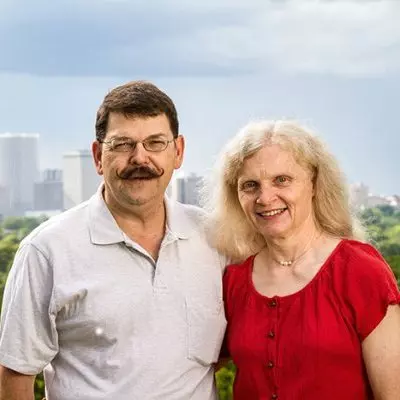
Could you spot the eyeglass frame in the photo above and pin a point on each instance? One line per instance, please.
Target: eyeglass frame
(134, 143)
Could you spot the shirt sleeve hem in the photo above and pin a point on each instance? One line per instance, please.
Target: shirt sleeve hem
(374, 324)
(19, 366)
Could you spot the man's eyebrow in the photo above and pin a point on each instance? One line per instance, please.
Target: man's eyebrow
(117, 136)
(156, 135)
(121, 136)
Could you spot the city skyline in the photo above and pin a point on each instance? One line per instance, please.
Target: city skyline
(25, 190)
(332, 65)
(177, 174)
(182, 171)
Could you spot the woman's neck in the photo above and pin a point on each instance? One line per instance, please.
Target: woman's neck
(287, 250)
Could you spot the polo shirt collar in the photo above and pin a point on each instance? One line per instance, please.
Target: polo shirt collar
(178, 222)
(103, 228)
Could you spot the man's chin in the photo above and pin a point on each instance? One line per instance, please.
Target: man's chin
(136, 200)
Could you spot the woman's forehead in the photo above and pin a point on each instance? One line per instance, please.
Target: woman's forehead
(272, 159)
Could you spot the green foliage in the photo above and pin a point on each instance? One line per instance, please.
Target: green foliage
(394, 262)
(3, 278)
(383, 225)
(39, 387)
(17, 223)
(8, 247)
(224, 380)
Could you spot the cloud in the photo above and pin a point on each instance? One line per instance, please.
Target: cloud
(181, 38)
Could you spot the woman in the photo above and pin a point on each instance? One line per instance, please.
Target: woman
(313, 311)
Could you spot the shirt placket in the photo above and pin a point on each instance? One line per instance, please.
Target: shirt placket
(159, 283)
(271, 337)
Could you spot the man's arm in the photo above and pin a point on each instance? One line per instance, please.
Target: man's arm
(28, 332)
(15, 386)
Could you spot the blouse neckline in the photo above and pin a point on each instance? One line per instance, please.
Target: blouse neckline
(312, 282)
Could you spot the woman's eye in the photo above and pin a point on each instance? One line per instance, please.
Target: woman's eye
(282, 179)
(248, 186)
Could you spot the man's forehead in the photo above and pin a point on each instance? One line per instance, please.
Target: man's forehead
(137, 127)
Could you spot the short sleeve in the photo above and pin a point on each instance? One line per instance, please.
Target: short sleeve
(371, 288)
(224, 353)
(28, 335)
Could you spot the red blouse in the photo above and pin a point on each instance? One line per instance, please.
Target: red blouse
(308, 345)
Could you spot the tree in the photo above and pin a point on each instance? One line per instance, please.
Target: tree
(224, 380)
(8, 247)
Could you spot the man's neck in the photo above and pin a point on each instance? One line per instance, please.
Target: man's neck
(144, 224)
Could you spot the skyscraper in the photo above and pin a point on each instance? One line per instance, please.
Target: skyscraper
(19, 170)
(80, 179)
(185, 189)
(49, 191)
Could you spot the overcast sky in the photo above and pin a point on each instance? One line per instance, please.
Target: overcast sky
(333, 64)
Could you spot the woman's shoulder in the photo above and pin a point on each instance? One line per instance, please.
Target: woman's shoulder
(237, 272)
(240, 267)
(359, 255)
(355, 248)
(364, 284)
(361, 263)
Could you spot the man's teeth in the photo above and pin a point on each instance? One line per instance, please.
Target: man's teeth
(273, 212)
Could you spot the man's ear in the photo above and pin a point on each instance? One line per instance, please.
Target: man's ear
(97, 152)
(179, 151)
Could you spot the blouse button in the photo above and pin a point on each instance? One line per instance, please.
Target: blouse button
(274, 396)
(270, 364)
(271, 334)
(272, 303)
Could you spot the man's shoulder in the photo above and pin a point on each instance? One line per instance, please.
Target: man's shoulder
(59, 226)
(194, 213)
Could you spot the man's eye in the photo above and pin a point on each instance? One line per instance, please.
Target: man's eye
(121, 146)
(155, 144)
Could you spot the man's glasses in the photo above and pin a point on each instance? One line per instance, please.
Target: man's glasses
(125, 145)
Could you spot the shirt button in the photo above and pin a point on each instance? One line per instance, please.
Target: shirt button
(274, 396)
(271, 334)
(270, 364)
(272, 303)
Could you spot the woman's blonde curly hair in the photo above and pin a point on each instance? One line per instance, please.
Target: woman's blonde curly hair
(230, 232)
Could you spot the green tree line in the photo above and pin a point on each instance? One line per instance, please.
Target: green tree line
(382, 223)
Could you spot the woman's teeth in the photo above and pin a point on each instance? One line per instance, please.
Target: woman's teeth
(273, 212)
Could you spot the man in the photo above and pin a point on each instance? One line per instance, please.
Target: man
(120, 297)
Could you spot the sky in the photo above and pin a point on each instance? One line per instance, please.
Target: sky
(333, 65)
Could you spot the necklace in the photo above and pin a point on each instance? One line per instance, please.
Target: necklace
(307, 248)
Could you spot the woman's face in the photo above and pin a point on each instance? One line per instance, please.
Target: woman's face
(276, 193)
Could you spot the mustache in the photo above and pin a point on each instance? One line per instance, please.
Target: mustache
(141, 172)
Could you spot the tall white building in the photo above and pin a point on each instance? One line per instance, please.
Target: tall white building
(80, 179)
(49, 191)
(359, 195)
(19, 169)
(185, 189)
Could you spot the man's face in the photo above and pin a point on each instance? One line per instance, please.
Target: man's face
(137, 177)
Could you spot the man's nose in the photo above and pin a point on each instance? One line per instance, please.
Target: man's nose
(139, 155)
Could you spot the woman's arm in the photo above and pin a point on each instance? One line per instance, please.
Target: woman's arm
(381, 352)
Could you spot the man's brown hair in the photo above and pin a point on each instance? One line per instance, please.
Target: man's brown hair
(136, 99)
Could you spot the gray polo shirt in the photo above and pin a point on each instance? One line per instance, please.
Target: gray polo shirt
(104, 321)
